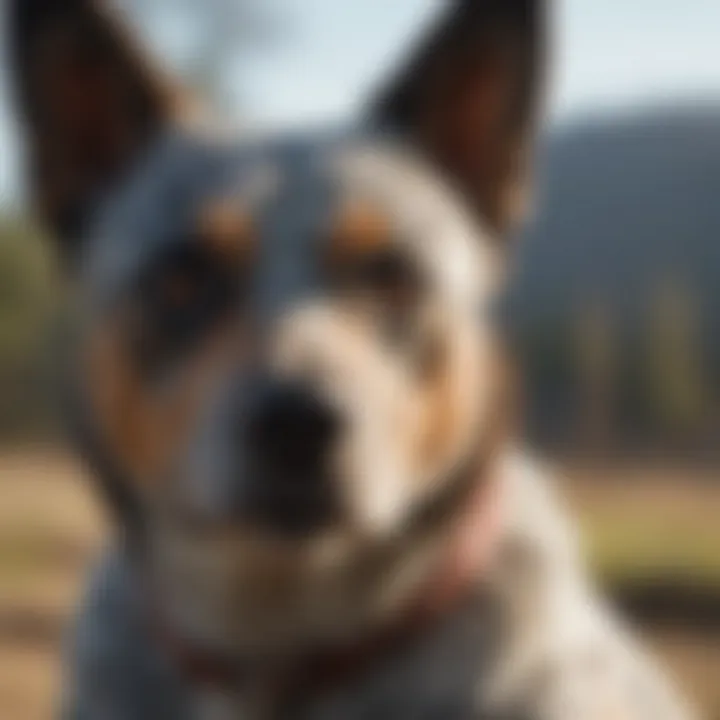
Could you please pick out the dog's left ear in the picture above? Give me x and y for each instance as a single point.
(470, 99)
(88, 102)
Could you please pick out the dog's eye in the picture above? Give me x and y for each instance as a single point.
(181, 297)
(387, 273)
(386, 276)
(386, 286)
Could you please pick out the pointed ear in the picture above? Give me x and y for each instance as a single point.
(87, 101)
(470, 96)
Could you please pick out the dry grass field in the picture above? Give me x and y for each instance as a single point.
(50, 530)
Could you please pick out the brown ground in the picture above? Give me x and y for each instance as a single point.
(50, 529)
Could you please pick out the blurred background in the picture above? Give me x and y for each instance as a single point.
(615, 304)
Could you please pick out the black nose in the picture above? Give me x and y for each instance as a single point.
(290, 427)
(290, 434)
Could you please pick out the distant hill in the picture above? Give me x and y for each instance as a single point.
(626, 203)
(628, 225)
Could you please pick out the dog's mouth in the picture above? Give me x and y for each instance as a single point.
(299, 507)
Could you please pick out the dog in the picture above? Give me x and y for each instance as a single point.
(288, 377)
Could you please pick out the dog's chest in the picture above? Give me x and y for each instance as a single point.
(442, 675)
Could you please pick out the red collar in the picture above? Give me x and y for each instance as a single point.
(469, 554)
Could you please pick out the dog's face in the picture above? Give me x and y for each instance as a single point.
(304, 349)
(286, 348)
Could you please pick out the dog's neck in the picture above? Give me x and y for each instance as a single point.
(512, 618)
(486, 647)
(454, 582)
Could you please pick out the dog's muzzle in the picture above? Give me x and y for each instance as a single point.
(289, 433)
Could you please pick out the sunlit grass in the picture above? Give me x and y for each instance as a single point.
(627, 549)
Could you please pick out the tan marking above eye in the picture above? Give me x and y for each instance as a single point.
(358, 229)
(227, 229)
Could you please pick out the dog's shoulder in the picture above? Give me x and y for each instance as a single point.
(566, 653)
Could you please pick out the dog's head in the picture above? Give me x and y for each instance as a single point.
(287, 348)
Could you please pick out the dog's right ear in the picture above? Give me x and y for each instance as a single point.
(469, 98)
(87, 101)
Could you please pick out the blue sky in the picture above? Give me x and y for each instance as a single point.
(610, 54)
